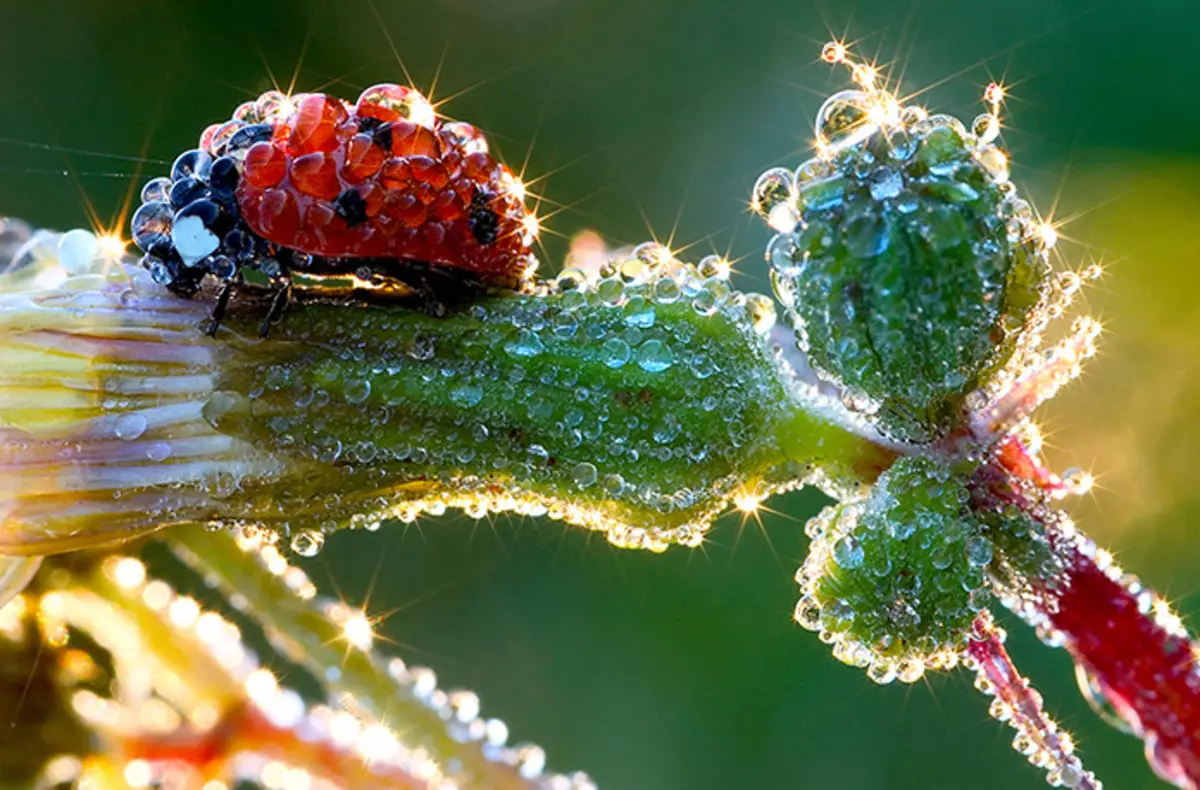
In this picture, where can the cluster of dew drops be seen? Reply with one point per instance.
(616, 310)
(846, 119)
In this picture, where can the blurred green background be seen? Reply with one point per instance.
(685, 670)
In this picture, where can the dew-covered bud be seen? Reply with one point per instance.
(894, 581)
(641, 402)
(916, 270)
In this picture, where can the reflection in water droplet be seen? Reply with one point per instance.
(527, 345)
(467, 394)
(843, 115)
(129, 426)
(308, 543)
(772, 189)
(886, 183)
(584, 474)
(654, 356)
(616, 352)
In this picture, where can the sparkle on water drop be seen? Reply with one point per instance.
(843, 116)
(308, 543)
(772, 190)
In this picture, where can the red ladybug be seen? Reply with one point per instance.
(381, 191)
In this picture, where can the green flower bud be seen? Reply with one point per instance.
(915, 271)
(642, 403)
(894, 581)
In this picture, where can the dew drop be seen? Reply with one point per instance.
(467, 395)
(358, 391)
(848, 553)
(159, 451)
(667, 290)
(308, 543)
(639, 312)
(571, 279)
(772, 189)
(842, 115)
(531, 761)
(705, 303)
(611, 291)
(782, 254)
(528, 344)
(761, 310)
(151, 225)
(584, 474)
(77, 249)
(881, 671)
(653, 254)
(713, 266)
(979, 551)
(985, 128)
(808, 614)
(886, 183)
(218, 406)
(614, 484)
(667, 430)
(129, 427)
(615, 352)
(654, 356)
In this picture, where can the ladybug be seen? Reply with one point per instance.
(381, 193)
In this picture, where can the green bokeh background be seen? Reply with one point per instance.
(685, 670)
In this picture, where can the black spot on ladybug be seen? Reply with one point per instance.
(483, 221)
(380, 132)
(352, 207)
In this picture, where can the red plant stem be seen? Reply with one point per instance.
(1021, 706)
(1146, 671)
(1137, 651)
(245, 730)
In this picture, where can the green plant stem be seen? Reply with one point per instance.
(531, 403)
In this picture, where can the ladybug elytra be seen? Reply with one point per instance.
(382, 191)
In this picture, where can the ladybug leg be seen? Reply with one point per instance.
(436, 288)
(283, 295)
(219, 308)
(429, 300)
